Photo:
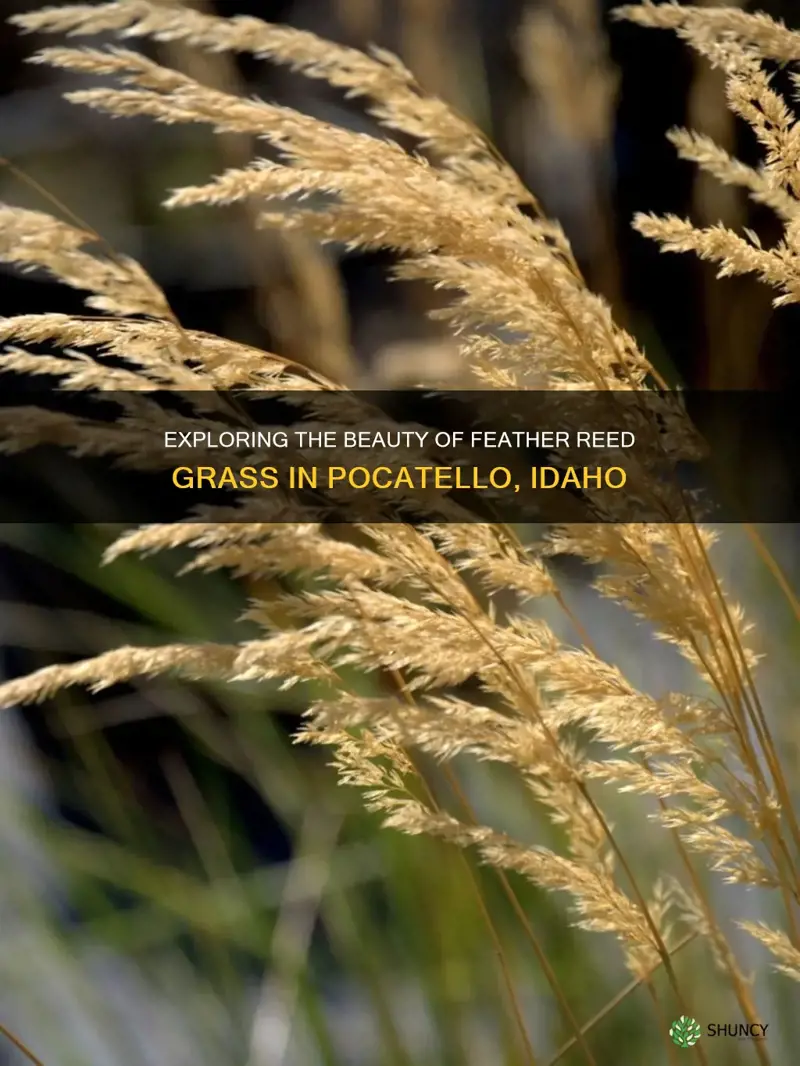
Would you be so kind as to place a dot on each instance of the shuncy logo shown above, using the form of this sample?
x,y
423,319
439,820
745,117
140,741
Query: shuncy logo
x,y
756,1031
685,1032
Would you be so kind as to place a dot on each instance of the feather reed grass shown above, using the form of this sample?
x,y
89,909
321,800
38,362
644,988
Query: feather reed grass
x,y
417,608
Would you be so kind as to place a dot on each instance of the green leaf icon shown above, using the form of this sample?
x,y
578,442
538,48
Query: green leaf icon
x,y
685,1032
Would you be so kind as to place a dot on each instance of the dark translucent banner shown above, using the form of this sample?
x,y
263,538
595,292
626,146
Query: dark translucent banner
x,y
409,456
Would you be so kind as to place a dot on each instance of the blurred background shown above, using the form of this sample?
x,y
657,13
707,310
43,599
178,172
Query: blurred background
x,y
180,883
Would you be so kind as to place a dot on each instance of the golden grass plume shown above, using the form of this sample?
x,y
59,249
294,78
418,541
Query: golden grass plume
x,y
419,607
